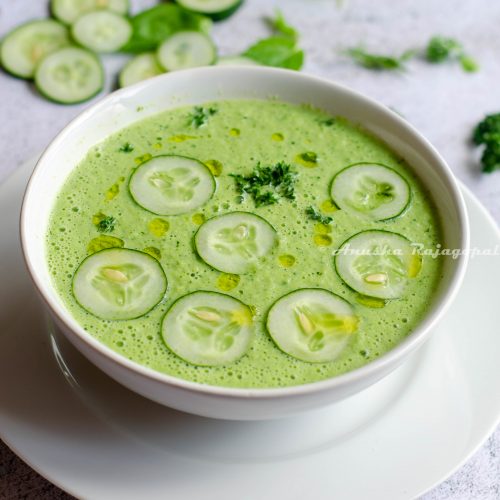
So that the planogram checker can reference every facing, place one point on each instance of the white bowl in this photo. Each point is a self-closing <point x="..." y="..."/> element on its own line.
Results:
<point x="207" y="84"/>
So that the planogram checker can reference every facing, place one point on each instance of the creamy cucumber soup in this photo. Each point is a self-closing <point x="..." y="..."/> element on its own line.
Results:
<point x="245" y="244"/>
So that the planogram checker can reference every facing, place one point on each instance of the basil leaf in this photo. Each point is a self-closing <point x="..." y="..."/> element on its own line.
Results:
<point x="276" y="51"/>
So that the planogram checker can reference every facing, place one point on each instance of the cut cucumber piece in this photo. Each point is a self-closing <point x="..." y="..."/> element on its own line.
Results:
<point x="208" y="328"/>
<point x="234" y="242"/>
<point x="377" y="263"/>
<point x="186" y="49"/>
<point x="68" y="11"/>
<point x="371" y="190"/>
<point x="139" y="68"/>
<point x="171" y="185"/>
<point x="70" y="75"/>
<point x="118" y="284"/>
<point x="102" y="31"/>
<point x="216" y="9"/>
<point x="312" y="324"/>
<point x="236" y="61"/>
<point x="25" y="46"/>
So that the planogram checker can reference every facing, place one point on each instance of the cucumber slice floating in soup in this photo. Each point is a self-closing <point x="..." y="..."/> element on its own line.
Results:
<point x="119" y="284"/>
<point x="312" y="324"/>
<point x="186" y="49"/>
<point x="234" y="242"/>
<point x="216" y="9"/>
<point x="171" y="185"/>
<point x="371" y="190"/>
<point x="68" y="11"/>
<point x="208" y="328"/>
<point x="139" y="68"/>
<point x="377" y="263"/>
<point x="70" y="75"/>
<point x="102" y="31"/>
<point x="25" y="46"/>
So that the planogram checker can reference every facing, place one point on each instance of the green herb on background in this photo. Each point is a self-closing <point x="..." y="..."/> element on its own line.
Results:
<point x="200" y="115"/>
<point x="126" y="148"/>
<point x="266" y="185"/>
<point x="278" y="51"/>
<point x="487" y="133"/>
<point x="279" y="24"/>
<point x="440" y="49"/>
<point x="379" y="62"/>
<point x="314" y="214"/>
<point x="328" y="122"/>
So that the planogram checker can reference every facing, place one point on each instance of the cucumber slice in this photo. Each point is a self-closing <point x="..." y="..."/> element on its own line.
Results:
<point x="377" y="263"/>
<point x="236" y="61"/>
<point x="208" y="328"/>
<point x="25" y="46"/>
<point x="371" y="190"/>
<point x="216" y="9"/>
<point x="234" y="242"/>
<point x="68" y="11"/>
<point x="102" y="31"/>
<point x="118" y="284"/>
<point x="69" y="76"/>
<point x="312" y="324"/>
<point x="139" y="68"/>
<point x="171" y="185"/>
<point x="186" y="49"/>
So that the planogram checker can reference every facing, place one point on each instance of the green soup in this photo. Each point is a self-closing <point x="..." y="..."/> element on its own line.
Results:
<point x="233" y="137"/>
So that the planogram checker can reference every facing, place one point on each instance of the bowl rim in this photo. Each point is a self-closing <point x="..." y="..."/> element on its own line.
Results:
<point x="372" y="368"/>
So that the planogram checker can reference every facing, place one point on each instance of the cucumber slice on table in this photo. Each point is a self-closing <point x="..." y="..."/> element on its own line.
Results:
<point x="378" y="263"/>
<point x="236" y="61"/>
<point x="102" y="31"/>
<point x="371" y="190"/>
<point x="25" y="46"/>
<point x="139" y="68"/>
<point x="234" y="242"/>
<point x="312" y="324"/>
<point x="186" y="49"/>
<point x="68" y="11"/>
<point x="171" y="185"/>
<point x="208" y="328"/>
<point x="118" y="284"/>
<point x="216" y="9"/>
<point x="70" y="75"/>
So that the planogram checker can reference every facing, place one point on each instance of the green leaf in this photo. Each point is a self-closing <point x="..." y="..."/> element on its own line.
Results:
<point x="154" y="25"/>
<point x="440" y="49"/>
<point x="280" y="25"/>
<point x="276" y="51"/>
<point x="379" y="62"/>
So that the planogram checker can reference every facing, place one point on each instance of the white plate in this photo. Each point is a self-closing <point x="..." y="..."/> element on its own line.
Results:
<point x="397" y="439"/>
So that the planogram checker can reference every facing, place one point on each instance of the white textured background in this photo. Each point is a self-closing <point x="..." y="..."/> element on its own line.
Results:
<point x="442" y="101"/>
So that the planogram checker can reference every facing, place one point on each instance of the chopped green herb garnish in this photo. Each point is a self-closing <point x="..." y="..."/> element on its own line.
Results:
<point x="279" y="24"/>
<point x="487" y="132"/>
<point x="126" y="148"/>
<point x="104" y="223"/>
<point x="267" y="185"/>
<point x="329" y="122"/>
<point x="200" y="115"/>
<point x="440" y="49"/>
<point x="380" y="62"/>
<point x="314" y="214"/>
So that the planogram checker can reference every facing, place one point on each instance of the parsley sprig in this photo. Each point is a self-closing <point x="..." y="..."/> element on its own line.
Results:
<point x="200" y="116"/>
<point x="314" y="214"/>
<point x="267" y="184"/>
